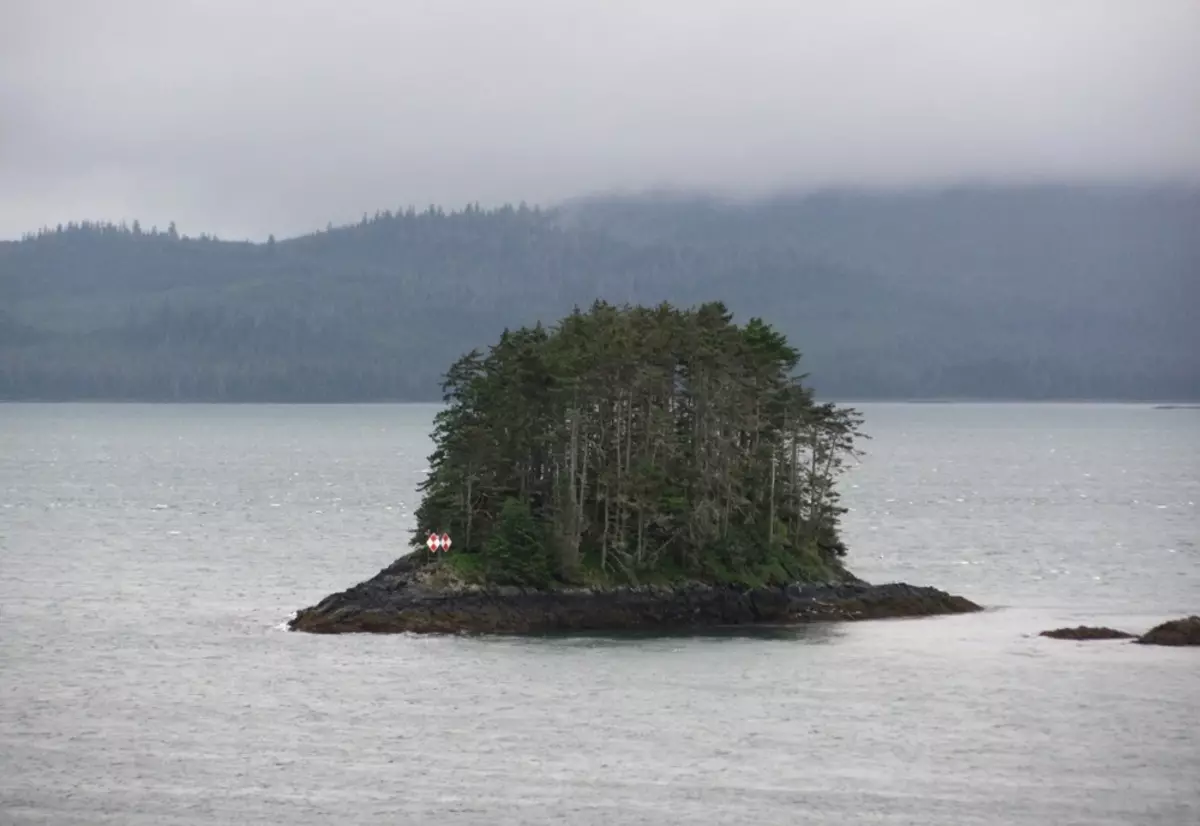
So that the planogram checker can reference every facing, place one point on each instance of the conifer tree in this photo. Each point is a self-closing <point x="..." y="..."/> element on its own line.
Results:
<point x="643" y="443"/>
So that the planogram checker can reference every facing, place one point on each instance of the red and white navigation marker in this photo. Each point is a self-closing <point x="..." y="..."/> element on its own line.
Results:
<point x="438" y="543"/>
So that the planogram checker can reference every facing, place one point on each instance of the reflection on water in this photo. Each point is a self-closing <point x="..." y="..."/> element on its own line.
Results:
<point x="813" y="633"/>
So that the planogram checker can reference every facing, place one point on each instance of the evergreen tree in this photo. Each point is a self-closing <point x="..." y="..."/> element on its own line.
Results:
<point x="517" y="551"/>
<point x="628" y="443"/>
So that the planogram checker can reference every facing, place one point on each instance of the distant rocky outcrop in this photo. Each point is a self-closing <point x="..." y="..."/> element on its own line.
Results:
<point x="1087" y="632"/>
<point x="408" y="598"/>
<point x="1184" y="631"/>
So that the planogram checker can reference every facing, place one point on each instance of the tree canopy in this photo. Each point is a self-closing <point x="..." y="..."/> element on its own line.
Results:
<point x="637" y="444"/>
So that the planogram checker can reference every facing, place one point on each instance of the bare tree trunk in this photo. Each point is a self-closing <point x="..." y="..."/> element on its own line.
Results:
<point x="469" y="508"/>
<point x="570" y="547"/>
<point x="583" y="476"/>
<point x="641" y="535"/>
<point x="618" y="437"/>
<point x="795" y="491"/>
<point x="628" y="462"/>
<point x="604" y="539"/>
<point x="771" y="511"/>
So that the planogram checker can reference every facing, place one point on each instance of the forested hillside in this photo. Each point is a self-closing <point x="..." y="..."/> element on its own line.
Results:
<point x="1049" y="292"/>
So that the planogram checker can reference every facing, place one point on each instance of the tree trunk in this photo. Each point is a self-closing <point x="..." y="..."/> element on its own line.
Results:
<point x="570" y="558"/>
<point x="771" y="510"/>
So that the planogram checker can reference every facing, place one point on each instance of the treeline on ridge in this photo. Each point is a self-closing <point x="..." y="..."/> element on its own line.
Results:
<point x="1037" y="292"/>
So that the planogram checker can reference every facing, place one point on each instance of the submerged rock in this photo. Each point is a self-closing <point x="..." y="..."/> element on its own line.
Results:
<point x="406" y="597"/>
<point x="1184" y="631"/>
<point x="1087" y="632"/>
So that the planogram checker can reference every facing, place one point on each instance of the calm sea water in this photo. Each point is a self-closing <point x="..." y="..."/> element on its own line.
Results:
<point x="149" y="554"/>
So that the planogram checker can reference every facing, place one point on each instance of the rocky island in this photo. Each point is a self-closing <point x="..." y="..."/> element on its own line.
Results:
<point x="628" y="468"/>
<point x="1179" y="632"/>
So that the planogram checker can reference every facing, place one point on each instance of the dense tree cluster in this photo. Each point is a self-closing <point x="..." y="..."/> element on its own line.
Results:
<point x="1021" y="292"/>
<point x="628" y="443"/>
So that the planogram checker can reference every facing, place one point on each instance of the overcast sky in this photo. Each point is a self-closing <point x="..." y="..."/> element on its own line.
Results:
<point x="244" y="117"/>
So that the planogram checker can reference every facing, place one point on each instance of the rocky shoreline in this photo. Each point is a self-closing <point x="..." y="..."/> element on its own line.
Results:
<point x="1087" y="632"/>
<point x="1180" y="632"/>
<point x="409" y="597"/>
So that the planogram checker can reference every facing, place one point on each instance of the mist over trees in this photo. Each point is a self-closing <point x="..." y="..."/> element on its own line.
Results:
<point x="1064" y="292"/>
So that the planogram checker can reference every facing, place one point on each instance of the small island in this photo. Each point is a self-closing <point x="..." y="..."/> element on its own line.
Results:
<point x="1178" y="632"/>
<point x="629" y="467"/>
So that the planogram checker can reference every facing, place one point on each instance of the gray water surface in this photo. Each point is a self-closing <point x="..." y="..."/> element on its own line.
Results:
<point x="150" y="554"/>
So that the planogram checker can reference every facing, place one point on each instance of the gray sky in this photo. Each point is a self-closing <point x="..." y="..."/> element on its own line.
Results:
<point x="244" y="117"/>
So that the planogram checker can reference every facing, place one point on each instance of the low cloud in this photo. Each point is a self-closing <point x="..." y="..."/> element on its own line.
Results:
<point x="276" y="116"/>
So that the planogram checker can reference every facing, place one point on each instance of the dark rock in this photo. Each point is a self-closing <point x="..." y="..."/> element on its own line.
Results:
<point x="1184" y="631"/>
<point x="1087" y="632"/>
<point x="406" y="597"/>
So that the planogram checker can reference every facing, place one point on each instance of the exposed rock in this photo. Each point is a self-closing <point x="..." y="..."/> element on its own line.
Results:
<point x="404" y="597"/>
<point x="1087" y="632"/>
<point x="1184" y="631"/>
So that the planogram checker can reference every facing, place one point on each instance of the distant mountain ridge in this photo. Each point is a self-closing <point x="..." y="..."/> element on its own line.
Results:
<point x="1041" y="292"/>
